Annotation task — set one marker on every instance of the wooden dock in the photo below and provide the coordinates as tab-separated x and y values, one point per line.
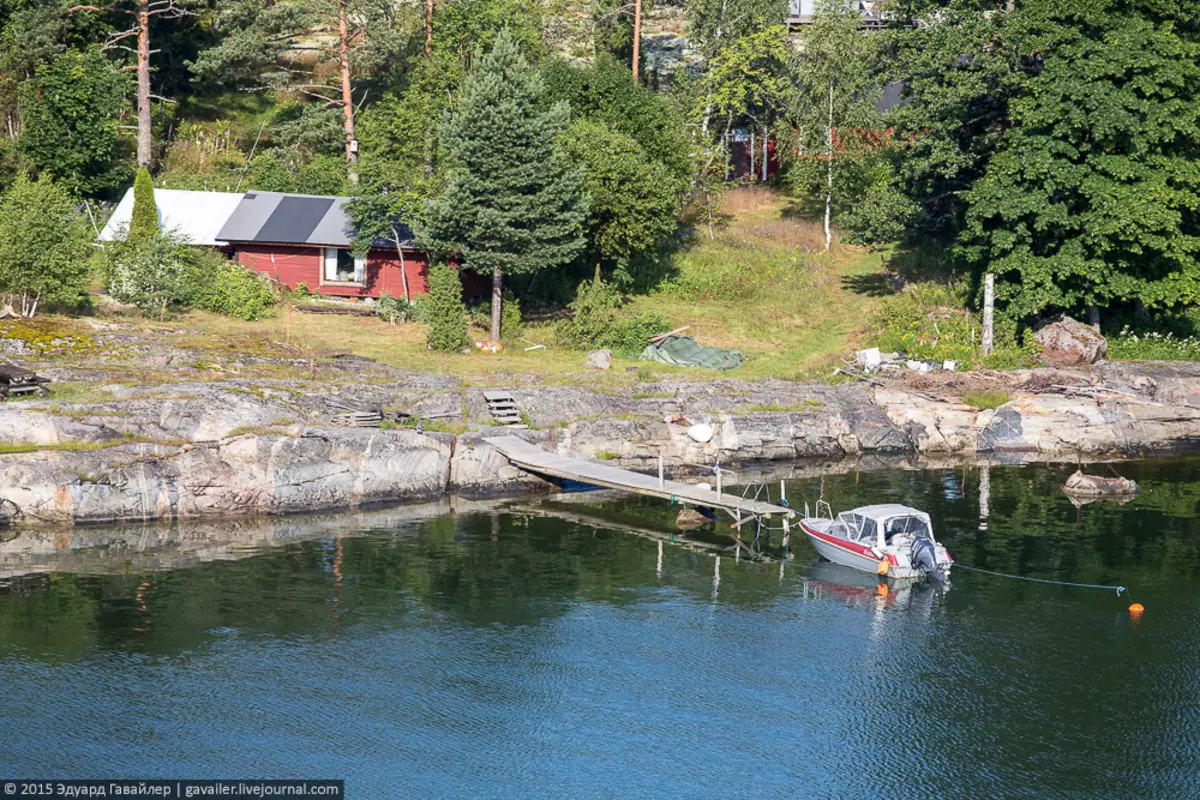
534	459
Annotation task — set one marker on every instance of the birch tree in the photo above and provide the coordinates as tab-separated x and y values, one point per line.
837	86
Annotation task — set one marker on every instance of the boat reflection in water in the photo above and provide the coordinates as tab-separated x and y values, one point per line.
824	580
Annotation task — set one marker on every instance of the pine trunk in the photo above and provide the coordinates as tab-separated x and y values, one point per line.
637	36
347	96
428	28
497	289
144	140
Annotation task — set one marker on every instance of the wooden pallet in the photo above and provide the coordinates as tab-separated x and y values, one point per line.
358	419
503	407
16	380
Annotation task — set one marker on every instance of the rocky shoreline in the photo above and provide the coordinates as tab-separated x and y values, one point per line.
252	447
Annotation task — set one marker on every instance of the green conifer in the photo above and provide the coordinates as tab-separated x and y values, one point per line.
514	204
144	223
446	313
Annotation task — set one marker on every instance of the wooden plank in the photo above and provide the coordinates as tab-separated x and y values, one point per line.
534	459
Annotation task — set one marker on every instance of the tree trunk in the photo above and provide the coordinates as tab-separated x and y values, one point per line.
497	289
428	28
347	97
829	176
637	36
1094	317
708	103
403	269
989	314
144	140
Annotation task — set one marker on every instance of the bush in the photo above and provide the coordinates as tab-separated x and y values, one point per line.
593	316
144	221
44	245
597	322
446	314
395	310
631	334
152	274
237	291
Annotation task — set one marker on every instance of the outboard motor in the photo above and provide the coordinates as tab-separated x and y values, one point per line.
923	557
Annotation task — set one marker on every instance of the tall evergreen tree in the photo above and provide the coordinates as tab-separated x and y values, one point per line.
144	222
446	313
514	205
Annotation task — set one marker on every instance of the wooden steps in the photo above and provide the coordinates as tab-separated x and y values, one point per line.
502	406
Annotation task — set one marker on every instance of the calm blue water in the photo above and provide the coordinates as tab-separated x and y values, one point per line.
515	655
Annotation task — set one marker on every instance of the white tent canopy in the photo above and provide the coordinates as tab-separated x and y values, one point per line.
196	216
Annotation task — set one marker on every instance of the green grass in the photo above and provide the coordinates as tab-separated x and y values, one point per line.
12	449
986	399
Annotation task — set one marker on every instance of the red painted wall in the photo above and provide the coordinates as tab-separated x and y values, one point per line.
292	265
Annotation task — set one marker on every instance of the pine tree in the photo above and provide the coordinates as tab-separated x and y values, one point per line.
144	223
446	313
514	204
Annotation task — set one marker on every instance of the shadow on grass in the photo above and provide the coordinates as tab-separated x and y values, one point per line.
876	284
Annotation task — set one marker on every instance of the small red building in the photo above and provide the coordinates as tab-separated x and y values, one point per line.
306	239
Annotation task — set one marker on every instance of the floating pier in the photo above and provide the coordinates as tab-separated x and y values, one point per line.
532	458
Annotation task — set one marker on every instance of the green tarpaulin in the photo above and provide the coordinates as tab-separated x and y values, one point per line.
684	352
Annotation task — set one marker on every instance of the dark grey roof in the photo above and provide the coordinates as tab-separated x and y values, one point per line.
280	218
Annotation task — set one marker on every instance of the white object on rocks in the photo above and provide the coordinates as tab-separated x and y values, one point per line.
868	359
600	359
701	432
950	366
919	366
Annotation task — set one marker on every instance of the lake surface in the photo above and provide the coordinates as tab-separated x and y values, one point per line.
513	654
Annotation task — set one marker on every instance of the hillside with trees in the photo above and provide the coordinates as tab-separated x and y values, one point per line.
1054	144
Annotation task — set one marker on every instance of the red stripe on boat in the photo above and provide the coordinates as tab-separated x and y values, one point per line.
845	544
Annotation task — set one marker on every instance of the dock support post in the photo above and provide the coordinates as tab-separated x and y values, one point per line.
783	493
660	470
660	554
718	468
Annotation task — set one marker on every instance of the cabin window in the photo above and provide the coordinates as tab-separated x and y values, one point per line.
916	527
342	267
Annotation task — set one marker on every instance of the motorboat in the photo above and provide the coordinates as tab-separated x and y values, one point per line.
888	539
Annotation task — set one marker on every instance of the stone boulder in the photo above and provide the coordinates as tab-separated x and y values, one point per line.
599	359
1067	342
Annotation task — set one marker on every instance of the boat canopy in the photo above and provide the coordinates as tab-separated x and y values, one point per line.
877	524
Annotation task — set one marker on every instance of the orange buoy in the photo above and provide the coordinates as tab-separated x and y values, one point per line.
883	567
1136	610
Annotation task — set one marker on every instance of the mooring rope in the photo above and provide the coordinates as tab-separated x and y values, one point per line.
1117	589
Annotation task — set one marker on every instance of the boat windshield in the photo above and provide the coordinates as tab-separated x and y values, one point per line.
855	527
917	527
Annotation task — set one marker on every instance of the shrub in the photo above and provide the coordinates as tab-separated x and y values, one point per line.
238	292
597	322
394	310
985	400
593	316
631	334
447	316
151	274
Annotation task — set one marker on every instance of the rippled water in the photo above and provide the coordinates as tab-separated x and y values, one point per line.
516	655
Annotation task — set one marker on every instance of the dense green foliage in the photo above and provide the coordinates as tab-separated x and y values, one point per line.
44	243
1093	198
213	283
69	118
152	273
444	311
144	221
597	321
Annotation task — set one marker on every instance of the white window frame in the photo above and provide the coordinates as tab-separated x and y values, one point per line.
329	259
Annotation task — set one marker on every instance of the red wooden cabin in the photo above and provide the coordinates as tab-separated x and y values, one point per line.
306	239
